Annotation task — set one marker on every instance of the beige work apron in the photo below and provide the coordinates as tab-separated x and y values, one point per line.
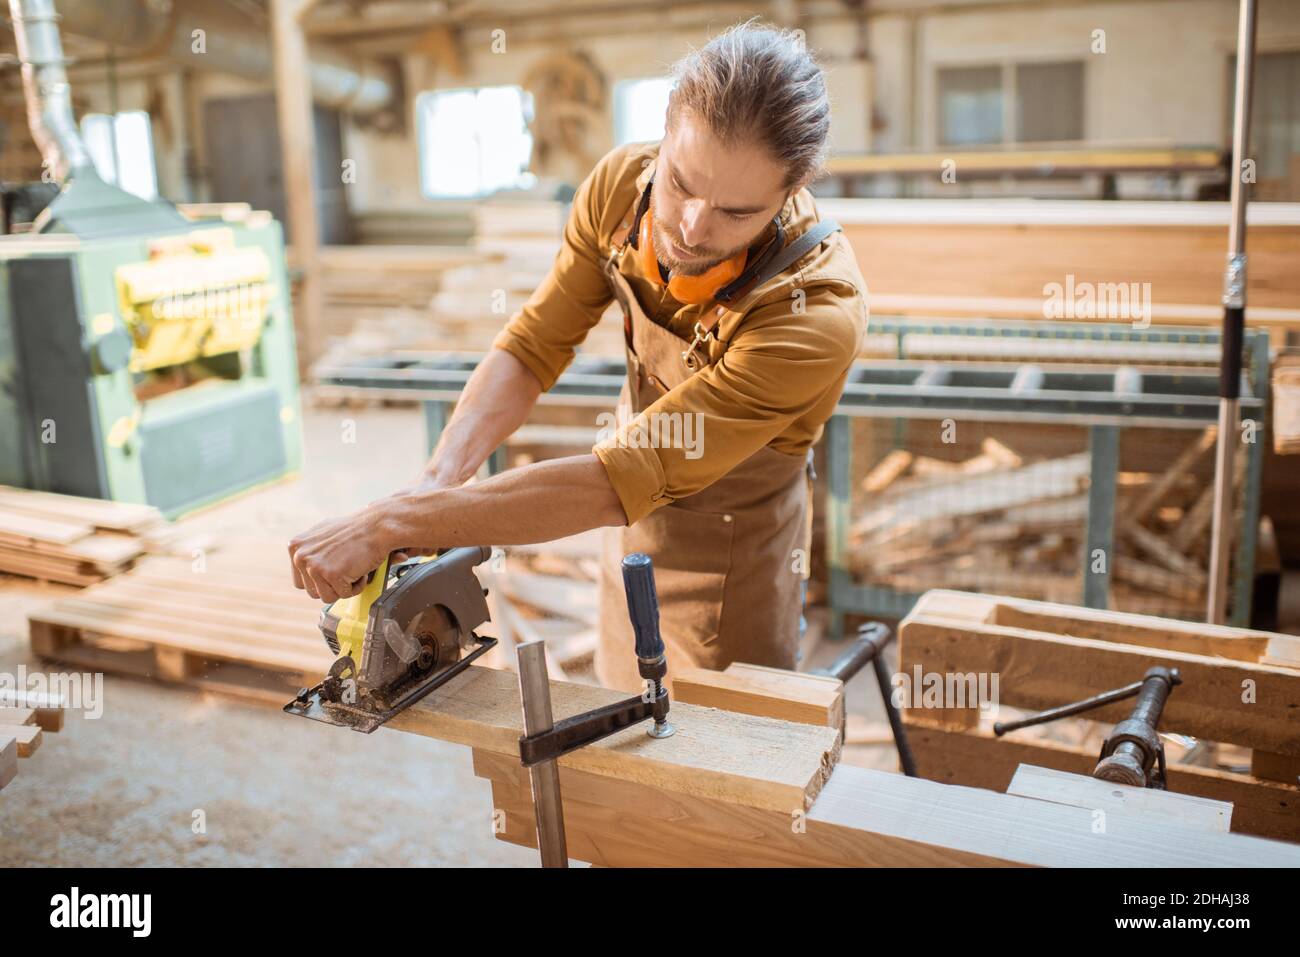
726	560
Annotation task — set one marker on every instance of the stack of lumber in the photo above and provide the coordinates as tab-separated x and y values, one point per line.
81	541
518	241
1286	404
995	523
230	621
547	592
378	298
382	299
24	717
1047	655
750	790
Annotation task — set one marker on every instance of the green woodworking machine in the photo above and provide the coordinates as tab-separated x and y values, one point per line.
144	356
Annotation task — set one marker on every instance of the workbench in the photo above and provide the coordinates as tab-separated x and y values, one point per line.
737	788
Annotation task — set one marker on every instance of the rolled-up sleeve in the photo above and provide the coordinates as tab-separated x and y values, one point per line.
545	333
779	367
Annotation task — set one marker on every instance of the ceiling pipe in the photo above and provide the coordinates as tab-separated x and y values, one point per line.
219	38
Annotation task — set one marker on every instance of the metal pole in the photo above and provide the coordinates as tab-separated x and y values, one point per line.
1234	313
535	692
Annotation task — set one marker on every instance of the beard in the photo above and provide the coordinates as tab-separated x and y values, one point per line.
697	267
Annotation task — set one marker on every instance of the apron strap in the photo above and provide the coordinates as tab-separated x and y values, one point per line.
779	263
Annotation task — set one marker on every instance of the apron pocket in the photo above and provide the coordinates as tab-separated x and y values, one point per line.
691	552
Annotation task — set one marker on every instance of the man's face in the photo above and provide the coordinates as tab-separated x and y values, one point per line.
710	200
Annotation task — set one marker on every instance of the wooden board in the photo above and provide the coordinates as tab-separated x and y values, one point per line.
770	692
861	818
735	758
23	720
73	540
1079	790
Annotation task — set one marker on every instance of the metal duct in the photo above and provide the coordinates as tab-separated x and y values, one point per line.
232	43
45	88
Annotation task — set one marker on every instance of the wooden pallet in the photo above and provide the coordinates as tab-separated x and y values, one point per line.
24	718
1046	655
80	541
233	623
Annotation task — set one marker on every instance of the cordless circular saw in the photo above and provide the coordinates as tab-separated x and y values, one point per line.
409	631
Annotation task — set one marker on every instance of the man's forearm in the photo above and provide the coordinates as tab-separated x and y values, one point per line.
494	403
536	503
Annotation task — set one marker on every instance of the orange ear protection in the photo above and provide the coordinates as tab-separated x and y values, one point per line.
721	282
688	289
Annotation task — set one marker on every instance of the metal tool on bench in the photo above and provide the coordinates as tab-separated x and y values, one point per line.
1133	753
409	631
544	740
869	647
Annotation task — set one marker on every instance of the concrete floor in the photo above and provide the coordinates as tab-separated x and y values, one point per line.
122	790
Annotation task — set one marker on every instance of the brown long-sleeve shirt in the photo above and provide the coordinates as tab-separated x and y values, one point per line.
781	359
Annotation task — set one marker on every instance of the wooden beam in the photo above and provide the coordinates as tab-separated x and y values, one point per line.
8	757
293	102
735	758
863	818
1083	790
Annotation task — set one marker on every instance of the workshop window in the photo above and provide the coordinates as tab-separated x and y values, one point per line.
1274	125
970	105
474	142
1011	103
121	147
640	109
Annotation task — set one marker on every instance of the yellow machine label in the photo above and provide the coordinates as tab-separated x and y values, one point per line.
202	297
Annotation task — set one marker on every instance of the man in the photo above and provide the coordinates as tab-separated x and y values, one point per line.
742	314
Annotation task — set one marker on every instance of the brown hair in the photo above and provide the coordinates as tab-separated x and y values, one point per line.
760	84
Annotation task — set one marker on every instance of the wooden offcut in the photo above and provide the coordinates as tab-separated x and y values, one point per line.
24	718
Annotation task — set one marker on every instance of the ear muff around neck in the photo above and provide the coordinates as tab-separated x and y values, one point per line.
692	290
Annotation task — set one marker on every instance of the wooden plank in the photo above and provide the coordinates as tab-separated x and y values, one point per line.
22	529
8	758
886	471
1040	670
770	692
28	737
1275	767
99	513
978	759
1160	807
1153	494
49	708
742	759
862	818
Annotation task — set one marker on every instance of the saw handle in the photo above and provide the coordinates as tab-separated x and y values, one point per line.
643	605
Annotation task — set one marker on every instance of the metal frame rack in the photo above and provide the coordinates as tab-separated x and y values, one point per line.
1103	397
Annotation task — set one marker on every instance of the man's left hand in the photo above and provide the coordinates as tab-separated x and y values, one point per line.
333	559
